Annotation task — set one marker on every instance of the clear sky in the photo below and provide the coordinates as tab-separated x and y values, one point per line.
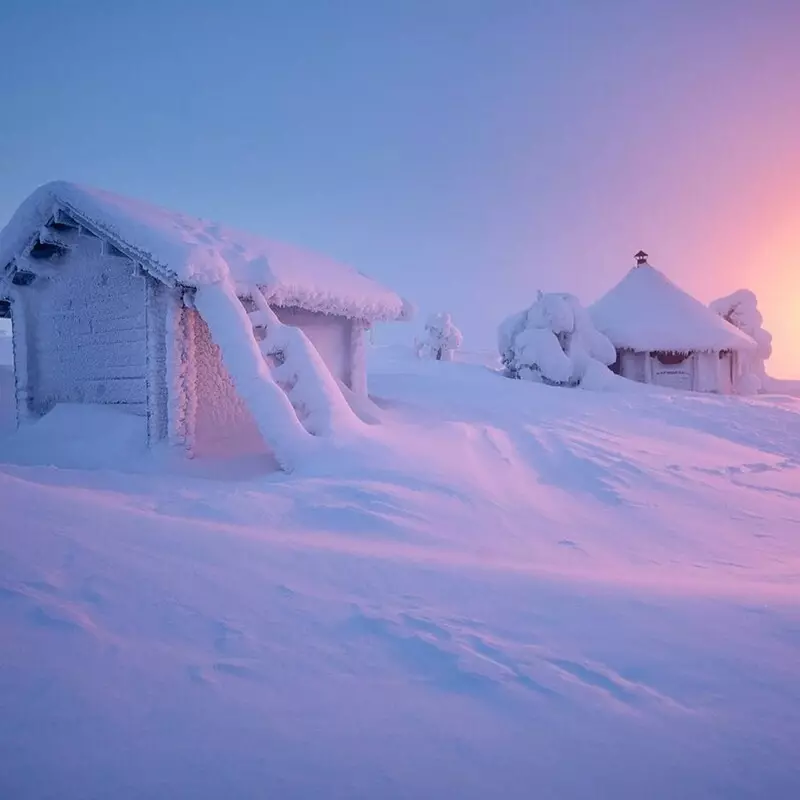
467	152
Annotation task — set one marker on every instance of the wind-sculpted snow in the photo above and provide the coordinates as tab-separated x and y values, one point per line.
554	341
506	589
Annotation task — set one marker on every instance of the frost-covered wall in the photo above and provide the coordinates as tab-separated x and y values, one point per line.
223	425
212	419
699	371
158	298
330	335
674	376
86	330
633	365
358	357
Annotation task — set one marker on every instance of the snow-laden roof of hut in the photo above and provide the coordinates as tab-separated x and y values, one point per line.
647	311
182	249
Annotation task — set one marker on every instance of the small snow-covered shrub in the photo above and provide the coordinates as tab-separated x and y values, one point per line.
552	342
441	340
741	310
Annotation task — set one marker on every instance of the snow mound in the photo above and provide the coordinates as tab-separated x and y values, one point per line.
741	310
554	342
647	311
510	591
78	436
192	251
442	338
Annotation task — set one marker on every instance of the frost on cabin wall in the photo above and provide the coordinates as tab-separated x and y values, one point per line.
180	410
20	348
358	357
156	376
86	332
232	331
329	333
223	423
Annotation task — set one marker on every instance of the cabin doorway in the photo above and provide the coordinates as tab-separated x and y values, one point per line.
673	370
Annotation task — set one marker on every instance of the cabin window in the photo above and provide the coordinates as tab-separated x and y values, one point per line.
670	359
42	250
23	277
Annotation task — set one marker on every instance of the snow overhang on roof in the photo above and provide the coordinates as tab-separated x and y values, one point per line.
646	311
184	250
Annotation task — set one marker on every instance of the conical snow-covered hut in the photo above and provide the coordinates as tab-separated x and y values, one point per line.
667	337
212	335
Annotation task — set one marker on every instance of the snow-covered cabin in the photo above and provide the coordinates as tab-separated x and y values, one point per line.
666	337
105	292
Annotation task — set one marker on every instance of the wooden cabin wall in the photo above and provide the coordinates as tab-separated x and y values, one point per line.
330	335
86	330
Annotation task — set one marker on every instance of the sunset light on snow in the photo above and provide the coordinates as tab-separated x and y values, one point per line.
400	400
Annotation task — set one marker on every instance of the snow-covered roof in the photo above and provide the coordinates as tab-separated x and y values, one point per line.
647	311
181	249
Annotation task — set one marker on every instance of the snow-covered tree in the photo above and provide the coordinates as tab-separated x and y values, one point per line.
441	340
741	310
553	342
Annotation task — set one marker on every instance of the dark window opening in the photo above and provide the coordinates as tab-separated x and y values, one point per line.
42	250
23	278
616	367
670	359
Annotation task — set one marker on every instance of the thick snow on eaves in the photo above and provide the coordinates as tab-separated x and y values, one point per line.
197	252
647	311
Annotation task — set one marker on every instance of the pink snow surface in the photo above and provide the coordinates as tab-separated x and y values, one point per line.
195	251
647	311
505	591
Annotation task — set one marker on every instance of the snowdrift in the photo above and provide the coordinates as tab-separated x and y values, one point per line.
506	588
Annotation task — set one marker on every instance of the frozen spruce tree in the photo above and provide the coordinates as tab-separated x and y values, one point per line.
741	310
553	342
441	339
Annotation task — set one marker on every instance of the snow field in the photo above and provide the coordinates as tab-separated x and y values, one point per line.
504	589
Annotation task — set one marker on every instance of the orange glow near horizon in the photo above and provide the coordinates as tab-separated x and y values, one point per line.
776	282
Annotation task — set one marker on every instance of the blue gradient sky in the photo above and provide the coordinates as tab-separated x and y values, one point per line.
467	152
